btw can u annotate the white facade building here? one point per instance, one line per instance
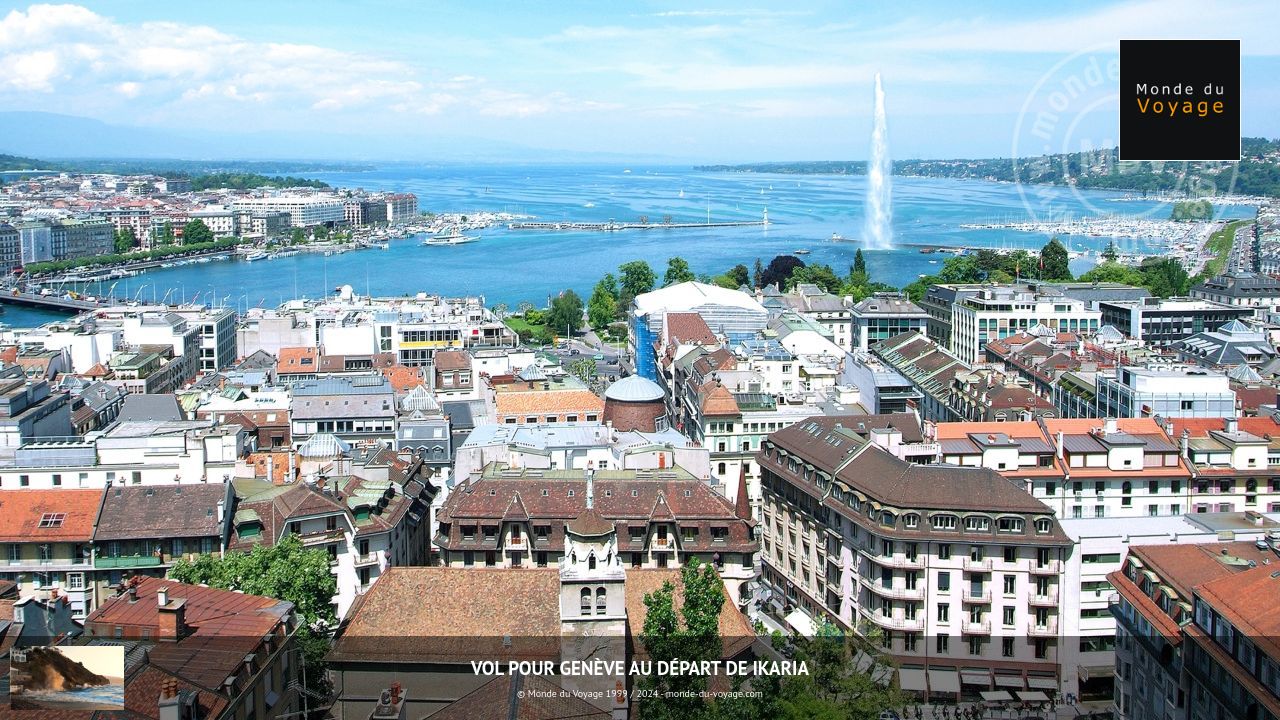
(304, 210)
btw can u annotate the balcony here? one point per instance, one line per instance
(50, 564)
(663, 544)
(977, 596)
(127, 561)
(1048, 628)
(897, 623)
(1043, 600)
(368, 559)
(972, 565)
(982, 627)
(896, 593)
(517, 543)
(1052, 567)
(893, 561)
(324, 537)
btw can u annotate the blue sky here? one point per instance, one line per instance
(689, 80)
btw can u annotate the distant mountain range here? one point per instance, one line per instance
(1258, 170)
(52, 136)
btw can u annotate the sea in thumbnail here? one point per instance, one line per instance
(510, 266)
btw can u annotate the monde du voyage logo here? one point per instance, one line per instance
(1180, 100)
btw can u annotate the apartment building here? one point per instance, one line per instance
(996, 312)
(352, 408)
(304, 210)
(401, 207)
(10, 248)
(957, 568)
(813, 303)
(1195, 629)
(1235, 463)
(48, 543)
(1163, 321)
(365, 523)
(517, 517)
(30, 410)
(1255, 291)
(882, 316)
(1164, 390)
(724, 312)
(207, 653)
(930, 368)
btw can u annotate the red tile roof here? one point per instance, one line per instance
(1200, 427)
(60, 515)
(684, 328)
(452, 360)
(402, 378)
(298, 360)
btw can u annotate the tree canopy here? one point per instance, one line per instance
(677, 272)
(1054, 261)
(565, 313)
(196, 232)
(602, 308)
(779, 271)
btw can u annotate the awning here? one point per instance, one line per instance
(1168, 591)
(944, 681)
(911, 679)
(976, 677)
(1033, 696)
(801, 623)
(996, 696)
(1009, 681)
(1044, 683)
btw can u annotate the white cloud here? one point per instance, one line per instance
(199, 71)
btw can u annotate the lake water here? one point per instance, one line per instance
(514, 265)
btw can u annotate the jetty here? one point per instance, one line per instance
(53, 302)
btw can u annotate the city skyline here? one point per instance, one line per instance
(663, 82)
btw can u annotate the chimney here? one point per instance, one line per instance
(222, 510)
(391, 704)
(133, 594)
(1110, 426)
(1185, 443)
(1058, 450)
(173, 620)
(1232, 424)
(170, 705)
(162, 595)
(591, 486)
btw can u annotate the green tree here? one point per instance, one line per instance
(637, 278)
(697, 638)
(821, 275)
(848, 677)
(565, 313)
(1054, 261)
(757, 274)
(297, 236)
(739, 275)
(125, 241)
(677, 272)
(166, 235)
(286, 571)
(1165, 277)
(501, 310)
(321, 232)
(602, 308)
(196, 232)
(779, 271)
(584, 368)
(1111, 254)
(859, 262)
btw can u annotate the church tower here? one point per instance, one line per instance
(593, 605)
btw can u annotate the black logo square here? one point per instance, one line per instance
(1179, 99)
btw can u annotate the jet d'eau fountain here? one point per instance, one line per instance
(877, 232)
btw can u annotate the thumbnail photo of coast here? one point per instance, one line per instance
(67, 678)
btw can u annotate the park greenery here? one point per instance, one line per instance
(288, 571)
(1192, 210)
(249, 181)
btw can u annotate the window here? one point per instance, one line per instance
(24, 481)
(944, 581)
(1010, 554)
(944, 613)
(1011, 525)
(57, 480)
(1006, 646)
(1008, 617)
(585, 602)
(941, 644)
(944, 551)
(1010, 584)
(601, 603)
(490, 558)
(51, 520)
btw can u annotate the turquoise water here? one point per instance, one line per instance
(103, 695)
(513, 265)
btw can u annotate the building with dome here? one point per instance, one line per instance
(635, 403)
